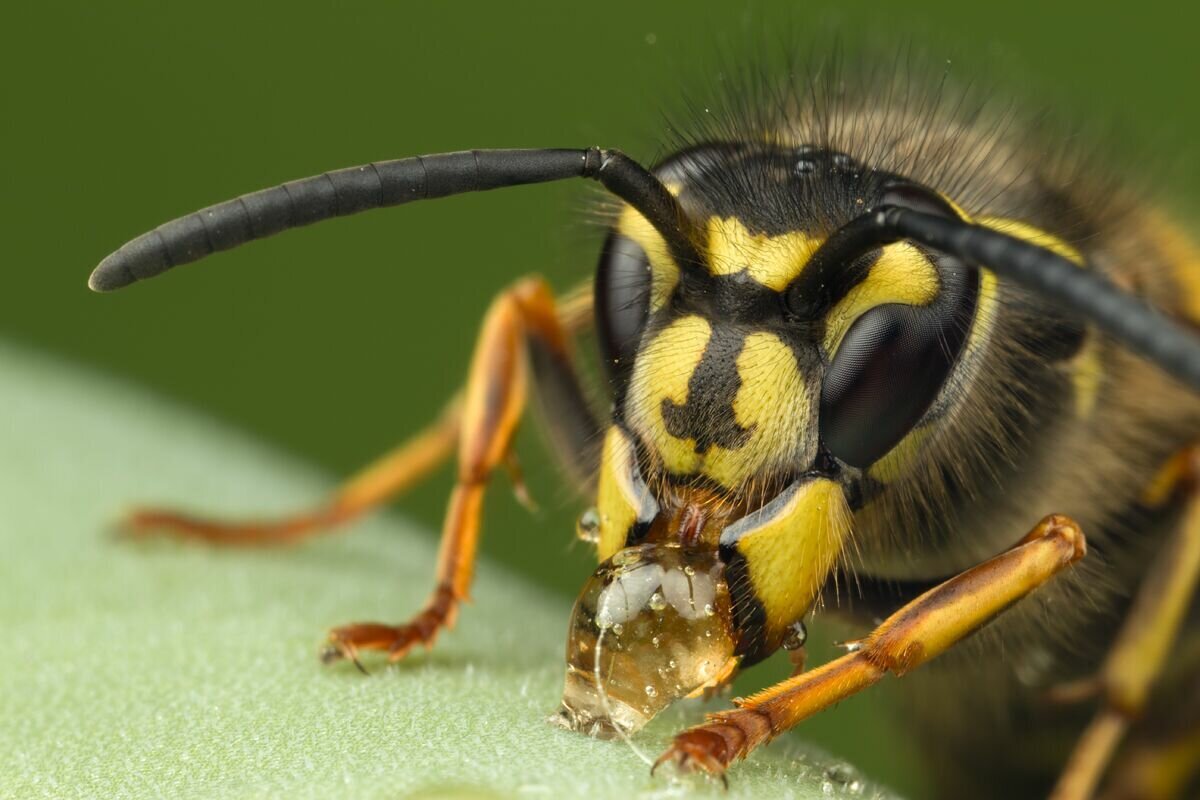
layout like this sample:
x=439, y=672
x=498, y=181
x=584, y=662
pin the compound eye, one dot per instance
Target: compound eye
x=886, y=373
x=623, y=278
x=622, y=303
x=895, y=358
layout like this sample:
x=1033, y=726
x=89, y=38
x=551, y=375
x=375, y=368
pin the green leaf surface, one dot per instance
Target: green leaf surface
x=164, y=669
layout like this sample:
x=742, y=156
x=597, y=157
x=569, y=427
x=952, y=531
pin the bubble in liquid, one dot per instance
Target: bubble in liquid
x=651, y=691
x=657, y=602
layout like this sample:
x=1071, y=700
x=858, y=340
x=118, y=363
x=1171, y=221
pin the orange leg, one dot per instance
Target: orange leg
x=379, y=482
x=386, y=478
x=1143, y=646
x=493, y=405
x=915, y=634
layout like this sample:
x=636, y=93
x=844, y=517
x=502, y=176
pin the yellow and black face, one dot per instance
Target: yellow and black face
x=756, y=389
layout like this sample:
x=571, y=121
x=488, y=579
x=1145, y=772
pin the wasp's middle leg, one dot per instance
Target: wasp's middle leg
x=522, y=318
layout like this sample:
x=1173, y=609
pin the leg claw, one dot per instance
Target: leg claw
x=346, y=642
x=698, y=750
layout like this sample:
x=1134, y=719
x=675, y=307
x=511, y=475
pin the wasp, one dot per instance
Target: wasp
x=866, y=349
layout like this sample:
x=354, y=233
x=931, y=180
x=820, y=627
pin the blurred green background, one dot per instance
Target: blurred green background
x=336, y=341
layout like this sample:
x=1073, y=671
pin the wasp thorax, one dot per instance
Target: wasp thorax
x=652, y=625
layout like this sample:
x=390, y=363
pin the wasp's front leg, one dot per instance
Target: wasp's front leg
x=524, y=317
x=918, y=632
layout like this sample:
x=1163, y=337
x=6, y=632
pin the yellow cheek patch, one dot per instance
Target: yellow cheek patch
x=903, y=274
x=664, y=272
x=773, y=261
x=620, y=501
x=661, y=372
x=790, y=546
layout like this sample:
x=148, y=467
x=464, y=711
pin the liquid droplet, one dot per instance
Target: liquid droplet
x=844, y=775
x=795, y=636
x=587, y=527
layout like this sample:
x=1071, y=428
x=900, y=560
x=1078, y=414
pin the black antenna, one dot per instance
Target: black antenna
x=1083, y=292
x=387, y=183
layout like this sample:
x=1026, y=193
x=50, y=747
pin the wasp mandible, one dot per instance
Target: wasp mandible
x=856, y=346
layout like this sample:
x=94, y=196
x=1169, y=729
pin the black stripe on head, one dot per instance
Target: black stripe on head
x=708, y=416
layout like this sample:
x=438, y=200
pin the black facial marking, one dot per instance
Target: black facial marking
x=749, y=616
x=707, y=416
x=771, y=189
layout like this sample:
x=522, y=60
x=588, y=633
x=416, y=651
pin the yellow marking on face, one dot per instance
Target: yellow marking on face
x=662, y=371
x=903, y=274
x=614, y=504
x=985, y=310
x=773, y=261
x=1028, y=233
x=664, y=272
x=791, y=554
x=772, y=402
x=989, y=297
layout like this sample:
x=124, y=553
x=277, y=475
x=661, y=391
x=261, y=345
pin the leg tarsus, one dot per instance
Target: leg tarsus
x=142, y=523
x=379, y=482
x=348, y=641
